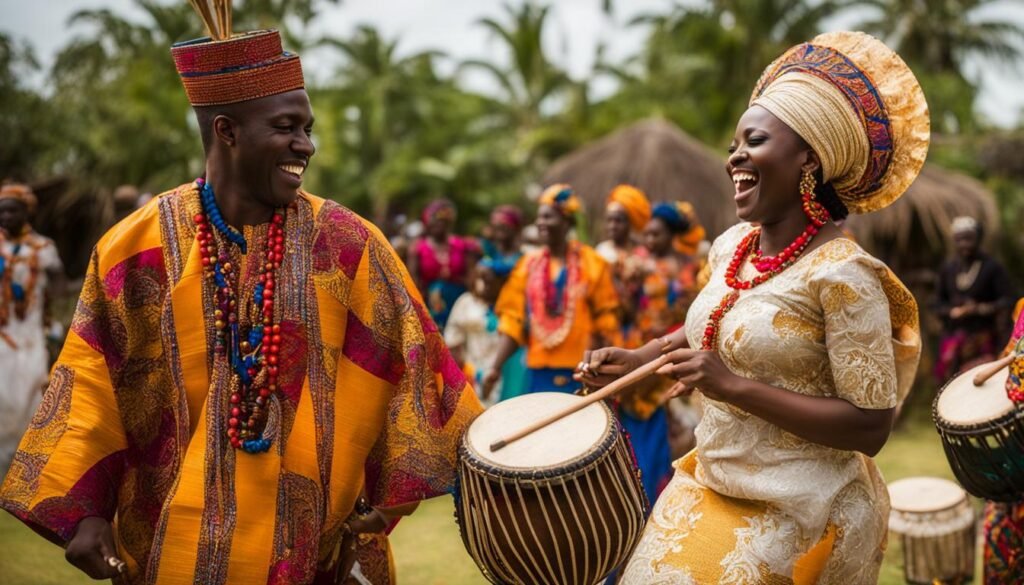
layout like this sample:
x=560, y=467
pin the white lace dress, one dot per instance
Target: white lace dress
x=754, y=503
x=23, y=356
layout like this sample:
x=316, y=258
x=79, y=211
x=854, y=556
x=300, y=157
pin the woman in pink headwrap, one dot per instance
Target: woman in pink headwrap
x=441, y=262
x=502, y=247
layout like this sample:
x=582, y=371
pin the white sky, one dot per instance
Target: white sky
x=576, y=28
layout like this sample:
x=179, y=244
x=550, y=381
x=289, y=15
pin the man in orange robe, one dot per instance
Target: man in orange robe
x=245, y=361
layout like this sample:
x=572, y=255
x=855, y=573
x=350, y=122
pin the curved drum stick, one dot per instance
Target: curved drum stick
x=993, y=368
x=610, y=390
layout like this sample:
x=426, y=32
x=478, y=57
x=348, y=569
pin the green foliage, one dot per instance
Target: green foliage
x=936, y=37
x=26, y=121
x=392, y=131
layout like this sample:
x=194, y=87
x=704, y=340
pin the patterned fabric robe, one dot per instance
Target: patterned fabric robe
x=134, y=421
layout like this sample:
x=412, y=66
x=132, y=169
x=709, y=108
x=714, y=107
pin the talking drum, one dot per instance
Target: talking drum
x=563, y=504
x=983, y=434
x=935, y=522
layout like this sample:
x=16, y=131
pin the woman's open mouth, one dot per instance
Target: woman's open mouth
x=745, y=182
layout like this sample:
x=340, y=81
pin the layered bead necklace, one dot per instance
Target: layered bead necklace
x=251, y=355
x=767, y=266
x=552, y=304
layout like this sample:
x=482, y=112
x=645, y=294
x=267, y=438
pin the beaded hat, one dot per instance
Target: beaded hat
x=226, y=68
x=859, y=106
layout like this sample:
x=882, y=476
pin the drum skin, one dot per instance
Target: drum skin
x=983, y=436
x=566, y=523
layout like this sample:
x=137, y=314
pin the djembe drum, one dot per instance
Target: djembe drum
x=562, y=505
x=983, y=435
x=935, y=522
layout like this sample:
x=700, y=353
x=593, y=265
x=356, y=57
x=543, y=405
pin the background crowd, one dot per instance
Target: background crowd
x=476, y=189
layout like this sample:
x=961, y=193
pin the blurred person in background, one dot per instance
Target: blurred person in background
x=441, y=262
x=31, y=275
x=974, y=297
x=627, y=211
x=558, y=302
x=472, y=330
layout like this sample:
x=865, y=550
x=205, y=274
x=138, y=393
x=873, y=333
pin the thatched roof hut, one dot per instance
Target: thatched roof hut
x=657, y=157
x=913, y=234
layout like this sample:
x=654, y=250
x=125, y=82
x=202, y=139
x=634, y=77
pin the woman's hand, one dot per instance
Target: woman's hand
x=701, y=370
x=601, y=366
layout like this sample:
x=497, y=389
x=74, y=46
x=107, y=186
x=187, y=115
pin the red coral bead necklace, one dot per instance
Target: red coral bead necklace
x=767, y=266
x=252, y=355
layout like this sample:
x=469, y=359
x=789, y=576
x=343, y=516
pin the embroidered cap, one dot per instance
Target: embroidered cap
x=227, y=68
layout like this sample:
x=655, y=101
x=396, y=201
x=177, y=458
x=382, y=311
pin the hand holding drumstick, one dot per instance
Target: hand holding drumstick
x=691, y=369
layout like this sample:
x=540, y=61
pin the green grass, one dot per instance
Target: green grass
x=427, y=547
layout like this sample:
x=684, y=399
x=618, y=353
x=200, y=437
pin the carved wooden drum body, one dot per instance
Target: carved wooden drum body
x=562, y=505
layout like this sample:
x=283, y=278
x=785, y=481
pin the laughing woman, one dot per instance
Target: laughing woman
x=801, y=343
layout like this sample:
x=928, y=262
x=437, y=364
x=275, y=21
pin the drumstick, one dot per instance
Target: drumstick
x=611, y=389
x=993, y=368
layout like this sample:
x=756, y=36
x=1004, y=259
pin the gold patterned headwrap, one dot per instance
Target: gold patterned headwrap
x=859, y=106
x=633, y=202
x=19, y=192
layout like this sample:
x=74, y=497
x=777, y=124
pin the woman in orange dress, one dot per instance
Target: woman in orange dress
x=559, y=301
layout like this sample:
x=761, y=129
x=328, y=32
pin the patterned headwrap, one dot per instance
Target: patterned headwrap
x=681, y=218
x=509, y=215
x=561, y=197
x=633, y=202
x=438, y=208
x=20, y=192
x=859, y=106
x=227, y=68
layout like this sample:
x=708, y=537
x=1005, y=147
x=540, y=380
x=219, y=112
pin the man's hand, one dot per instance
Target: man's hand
x=92, y=549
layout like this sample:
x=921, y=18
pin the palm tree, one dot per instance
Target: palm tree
x=261, y=14
x=530, y=79
x=125, y=112
x=25, y=119
x=705, y=59
x=936, y=37
x=395, y=110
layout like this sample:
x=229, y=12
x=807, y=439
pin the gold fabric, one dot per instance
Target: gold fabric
x=820, y=114
x=836, y=323
x=822, y=118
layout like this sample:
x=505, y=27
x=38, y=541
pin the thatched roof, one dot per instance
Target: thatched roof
x=657, y=157
x=914, y=232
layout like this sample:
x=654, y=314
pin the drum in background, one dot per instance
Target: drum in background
x=983, y=435
x=562, y=505
x=935, y=522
